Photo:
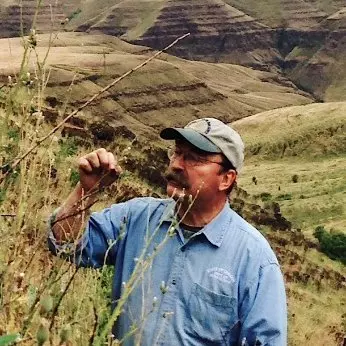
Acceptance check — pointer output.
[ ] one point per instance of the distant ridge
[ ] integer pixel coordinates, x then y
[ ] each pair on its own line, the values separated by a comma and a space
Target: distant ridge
303, 40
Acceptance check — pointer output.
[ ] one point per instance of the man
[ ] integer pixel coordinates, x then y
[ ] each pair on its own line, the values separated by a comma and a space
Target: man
201, 274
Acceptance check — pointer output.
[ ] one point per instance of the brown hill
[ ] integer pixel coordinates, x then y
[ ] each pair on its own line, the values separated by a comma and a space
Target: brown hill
321, 69
219, 32
303, 40
167, 91
16, 17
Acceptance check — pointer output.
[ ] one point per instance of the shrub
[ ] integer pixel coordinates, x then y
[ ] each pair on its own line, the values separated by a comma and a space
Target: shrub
265, 196
333, 245
68, 148
295, 178
284, 197
74, 14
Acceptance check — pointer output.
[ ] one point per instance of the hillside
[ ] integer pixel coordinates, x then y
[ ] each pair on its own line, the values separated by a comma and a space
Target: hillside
304, 131
166, 92
308, 142
16, 17
302, 40
295, 159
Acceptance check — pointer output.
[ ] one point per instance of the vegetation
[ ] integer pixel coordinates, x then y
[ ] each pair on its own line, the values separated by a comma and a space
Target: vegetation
295, 178
42, 298
332, 244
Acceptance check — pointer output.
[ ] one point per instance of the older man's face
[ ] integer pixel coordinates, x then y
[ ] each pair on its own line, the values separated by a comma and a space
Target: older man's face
193, 172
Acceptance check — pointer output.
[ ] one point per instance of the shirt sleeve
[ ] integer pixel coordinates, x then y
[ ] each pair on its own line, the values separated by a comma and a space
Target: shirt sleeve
265, 310
100, 241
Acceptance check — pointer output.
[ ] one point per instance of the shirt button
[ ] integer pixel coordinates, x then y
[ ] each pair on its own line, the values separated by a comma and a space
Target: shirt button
174, 282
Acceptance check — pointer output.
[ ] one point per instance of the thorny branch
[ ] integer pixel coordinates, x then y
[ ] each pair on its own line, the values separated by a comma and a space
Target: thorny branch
10, 166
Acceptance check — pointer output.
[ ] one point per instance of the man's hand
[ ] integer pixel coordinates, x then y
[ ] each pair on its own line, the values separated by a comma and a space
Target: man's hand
98, 169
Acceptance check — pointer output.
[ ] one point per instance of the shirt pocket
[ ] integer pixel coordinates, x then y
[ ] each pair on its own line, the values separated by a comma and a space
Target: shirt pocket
210, 316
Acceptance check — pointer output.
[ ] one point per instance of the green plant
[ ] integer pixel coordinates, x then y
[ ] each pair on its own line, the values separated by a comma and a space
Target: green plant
332, 244
68, 147
265, 196
9, 339
74, 177
74, 14
284, 197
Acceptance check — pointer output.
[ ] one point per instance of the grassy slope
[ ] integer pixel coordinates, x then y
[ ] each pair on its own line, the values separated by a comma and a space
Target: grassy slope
317, 156
309, 141
268, 11
148, 12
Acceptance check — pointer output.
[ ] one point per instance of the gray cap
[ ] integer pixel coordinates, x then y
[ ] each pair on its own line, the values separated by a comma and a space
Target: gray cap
213, 136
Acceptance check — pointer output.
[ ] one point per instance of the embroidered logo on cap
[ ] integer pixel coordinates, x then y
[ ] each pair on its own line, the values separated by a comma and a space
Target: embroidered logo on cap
202, 126
208, 126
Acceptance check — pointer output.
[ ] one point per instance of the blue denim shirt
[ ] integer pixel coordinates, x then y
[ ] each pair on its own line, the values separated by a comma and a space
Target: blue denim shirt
221, 287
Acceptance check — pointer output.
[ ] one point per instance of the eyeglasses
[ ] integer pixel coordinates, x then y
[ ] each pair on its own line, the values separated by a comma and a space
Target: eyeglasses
190, 158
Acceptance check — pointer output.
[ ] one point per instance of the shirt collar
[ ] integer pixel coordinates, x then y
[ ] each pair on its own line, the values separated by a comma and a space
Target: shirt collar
214, 231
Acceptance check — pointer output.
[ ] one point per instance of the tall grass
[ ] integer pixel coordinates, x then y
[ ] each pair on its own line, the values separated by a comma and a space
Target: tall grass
38, 302
44, 299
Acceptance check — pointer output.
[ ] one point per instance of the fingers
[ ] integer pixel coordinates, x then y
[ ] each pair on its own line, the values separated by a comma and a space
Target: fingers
84, 165
98, 169
99, 159
111, 161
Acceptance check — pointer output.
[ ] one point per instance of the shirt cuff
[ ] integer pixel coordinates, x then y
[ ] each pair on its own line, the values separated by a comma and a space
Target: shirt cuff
64, 249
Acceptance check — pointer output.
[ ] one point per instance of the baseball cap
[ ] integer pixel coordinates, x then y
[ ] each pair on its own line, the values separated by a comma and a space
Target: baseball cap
210, 135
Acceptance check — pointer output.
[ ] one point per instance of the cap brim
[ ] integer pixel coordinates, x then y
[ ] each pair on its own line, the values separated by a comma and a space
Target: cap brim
193, 137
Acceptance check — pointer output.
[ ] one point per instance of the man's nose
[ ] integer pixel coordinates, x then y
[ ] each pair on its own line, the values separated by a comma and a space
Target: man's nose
177, 162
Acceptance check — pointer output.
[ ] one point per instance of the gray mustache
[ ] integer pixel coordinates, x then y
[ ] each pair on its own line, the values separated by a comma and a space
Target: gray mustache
177, 178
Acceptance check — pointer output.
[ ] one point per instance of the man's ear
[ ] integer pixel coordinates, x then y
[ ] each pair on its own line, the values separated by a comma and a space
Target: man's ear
228, 179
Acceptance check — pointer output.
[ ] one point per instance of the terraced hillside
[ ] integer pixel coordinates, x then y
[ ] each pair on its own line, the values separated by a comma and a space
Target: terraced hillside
321, 69
17, 17
167, 91
218, 30
303, 40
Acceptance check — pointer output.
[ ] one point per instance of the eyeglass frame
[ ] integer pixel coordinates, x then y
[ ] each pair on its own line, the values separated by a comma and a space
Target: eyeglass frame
172, 154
